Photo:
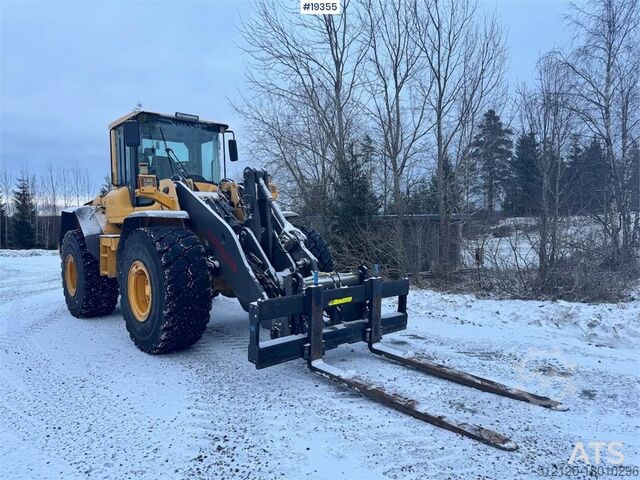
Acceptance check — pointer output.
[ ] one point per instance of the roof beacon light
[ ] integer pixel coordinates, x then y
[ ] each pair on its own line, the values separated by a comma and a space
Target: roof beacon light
187, 116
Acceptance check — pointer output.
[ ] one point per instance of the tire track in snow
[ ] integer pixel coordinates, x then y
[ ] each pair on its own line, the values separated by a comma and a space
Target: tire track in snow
50, 403
287, 394
219, 435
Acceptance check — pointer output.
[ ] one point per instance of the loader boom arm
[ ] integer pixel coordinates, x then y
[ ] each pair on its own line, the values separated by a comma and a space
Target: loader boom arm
218, 235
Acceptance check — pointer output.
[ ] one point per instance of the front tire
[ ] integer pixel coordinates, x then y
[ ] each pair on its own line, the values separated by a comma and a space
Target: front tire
166, 288
86, 292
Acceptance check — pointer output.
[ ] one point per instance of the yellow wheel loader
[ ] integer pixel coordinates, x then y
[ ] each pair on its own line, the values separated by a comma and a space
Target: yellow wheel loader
174, 231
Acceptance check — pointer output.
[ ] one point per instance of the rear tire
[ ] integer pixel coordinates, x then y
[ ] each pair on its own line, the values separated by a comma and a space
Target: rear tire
319, 248
170, 263
86, 292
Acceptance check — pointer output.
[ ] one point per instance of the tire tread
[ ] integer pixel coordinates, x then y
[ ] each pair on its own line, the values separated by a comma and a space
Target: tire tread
100, 294
188, 289
316, 245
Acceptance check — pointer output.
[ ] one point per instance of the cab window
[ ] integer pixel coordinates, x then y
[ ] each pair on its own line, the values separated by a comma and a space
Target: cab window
195, 146
123, 159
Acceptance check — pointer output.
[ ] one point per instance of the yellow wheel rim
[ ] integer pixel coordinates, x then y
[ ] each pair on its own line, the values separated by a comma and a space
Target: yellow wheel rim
139, 290
70, 275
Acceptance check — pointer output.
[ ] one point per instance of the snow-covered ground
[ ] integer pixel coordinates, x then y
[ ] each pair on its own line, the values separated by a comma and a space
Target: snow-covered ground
78, 400
36, 252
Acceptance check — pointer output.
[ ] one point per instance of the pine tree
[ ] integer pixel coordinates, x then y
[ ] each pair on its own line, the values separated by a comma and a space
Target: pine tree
3, 220
354, 201
422, 200
425, 198
523, 191
573, 197
24, 216
587, 177
106, 186
491, 150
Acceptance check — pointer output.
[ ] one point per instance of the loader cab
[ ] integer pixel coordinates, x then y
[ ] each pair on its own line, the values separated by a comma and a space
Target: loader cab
168, 147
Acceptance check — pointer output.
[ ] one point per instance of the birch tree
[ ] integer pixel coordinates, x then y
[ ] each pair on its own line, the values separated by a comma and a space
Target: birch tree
465, 60
604, 67
397, 92
306, 72
545, 109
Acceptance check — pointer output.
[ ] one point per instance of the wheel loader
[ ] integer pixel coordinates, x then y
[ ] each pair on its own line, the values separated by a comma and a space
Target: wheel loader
173, 232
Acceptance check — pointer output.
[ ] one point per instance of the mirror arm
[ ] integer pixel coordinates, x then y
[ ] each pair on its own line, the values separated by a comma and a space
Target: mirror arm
224, 155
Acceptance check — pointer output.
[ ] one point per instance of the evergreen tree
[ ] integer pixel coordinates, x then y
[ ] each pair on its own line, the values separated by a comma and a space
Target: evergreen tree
573, 200
587, 178
368, 153
524, 189
354, 201
422, 199
24, 216
3, 220
425, 198
491, 150
106, 186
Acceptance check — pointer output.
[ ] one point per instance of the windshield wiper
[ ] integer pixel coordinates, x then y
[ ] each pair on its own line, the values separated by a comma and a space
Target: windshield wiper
174, 161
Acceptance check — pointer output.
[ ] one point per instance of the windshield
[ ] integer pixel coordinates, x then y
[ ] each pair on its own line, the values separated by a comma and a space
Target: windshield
194, 145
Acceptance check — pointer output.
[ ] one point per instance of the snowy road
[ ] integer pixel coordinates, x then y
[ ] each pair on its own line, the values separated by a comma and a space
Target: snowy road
78, 400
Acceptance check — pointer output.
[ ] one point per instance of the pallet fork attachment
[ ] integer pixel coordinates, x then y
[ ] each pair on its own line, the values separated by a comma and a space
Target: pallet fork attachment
320, 338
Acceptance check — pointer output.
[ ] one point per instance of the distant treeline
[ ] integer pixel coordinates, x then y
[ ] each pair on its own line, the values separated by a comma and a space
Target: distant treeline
26, 229
30, 206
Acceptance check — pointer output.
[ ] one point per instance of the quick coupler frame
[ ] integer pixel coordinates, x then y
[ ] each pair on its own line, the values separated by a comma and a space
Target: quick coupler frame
312, 304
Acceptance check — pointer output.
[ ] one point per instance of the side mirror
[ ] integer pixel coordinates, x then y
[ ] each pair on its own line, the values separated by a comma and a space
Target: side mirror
131, 134
233, 150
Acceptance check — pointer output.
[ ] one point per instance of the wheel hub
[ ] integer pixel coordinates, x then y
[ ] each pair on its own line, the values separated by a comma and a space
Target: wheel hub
139, 290
70, 275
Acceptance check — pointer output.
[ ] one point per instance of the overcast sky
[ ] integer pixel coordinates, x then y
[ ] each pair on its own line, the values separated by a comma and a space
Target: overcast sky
67, 69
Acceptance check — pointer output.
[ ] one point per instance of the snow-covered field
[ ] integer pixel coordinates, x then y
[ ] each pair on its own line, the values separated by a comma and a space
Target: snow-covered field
514, 242
78, 400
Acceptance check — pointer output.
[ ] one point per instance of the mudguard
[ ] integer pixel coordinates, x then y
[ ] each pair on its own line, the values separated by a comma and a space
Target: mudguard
152, 217
84, 218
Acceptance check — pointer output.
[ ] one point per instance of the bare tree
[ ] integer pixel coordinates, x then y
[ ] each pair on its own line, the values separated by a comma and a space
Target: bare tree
545, 109
605, 83
87, 186
64, 180
6, 188
76, 179
43, 207
304, 84
398, 93
396, 102
288, 139
53, 187
465, 59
